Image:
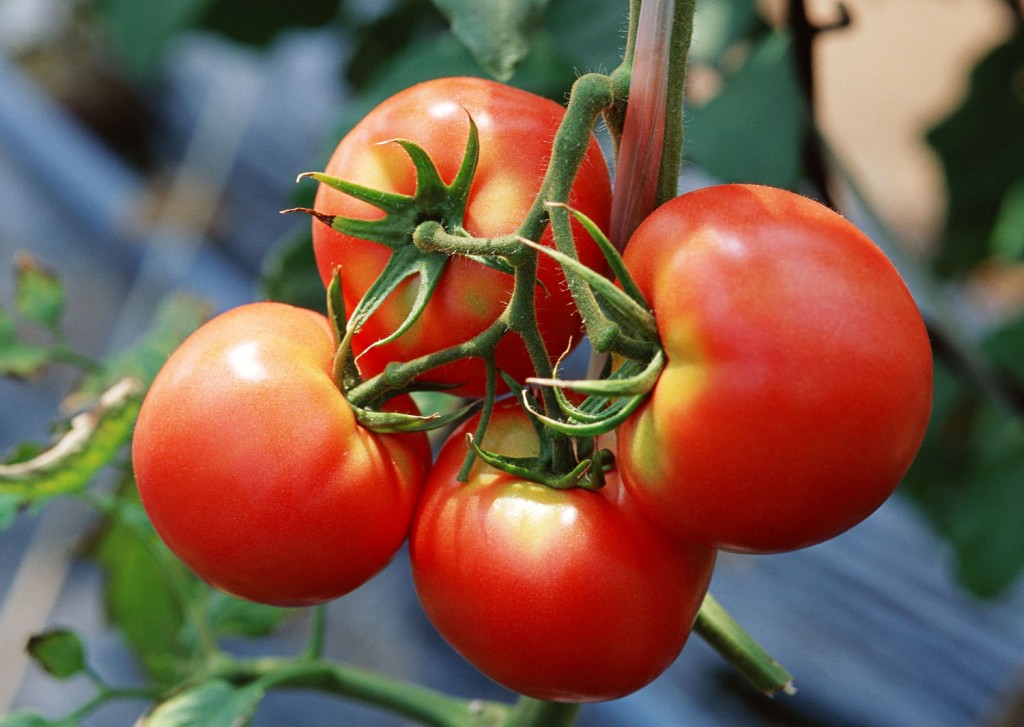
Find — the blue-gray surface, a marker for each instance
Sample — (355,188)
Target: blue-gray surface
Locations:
(871,624)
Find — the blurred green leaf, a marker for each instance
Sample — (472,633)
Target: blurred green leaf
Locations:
(214,703)
(986,533)
(231,616)
(981,148)
(141,593)
(59,652)
(140,29)
(259,21)
(39,294)
(9,506)
(1008,229)
(967,477)
(90,443)
(26,718)
(751,130)
(589,36)
(718,25)
(498,33)
(290,275)
(386,36)
(18,359)
(1005,349)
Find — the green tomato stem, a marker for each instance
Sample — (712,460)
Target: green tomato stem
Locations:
(749,658)
(536,713)
(400,374)
(317,629)
(431,236)
(424,705)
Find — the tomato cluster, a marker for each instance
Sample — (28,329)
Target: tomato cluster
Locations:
(795,392)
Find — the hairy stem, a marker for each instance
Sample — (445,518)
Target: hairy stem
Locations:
(672,148)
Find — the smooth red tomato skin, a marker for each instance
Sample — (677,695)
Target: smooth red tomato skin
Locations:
(516,130)
(565,595)
(799,377)
(254,471)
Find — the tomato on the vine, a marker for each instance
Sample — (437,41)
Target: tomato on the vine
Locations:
(516,129)
(254,471)
(798,383)
(565,595)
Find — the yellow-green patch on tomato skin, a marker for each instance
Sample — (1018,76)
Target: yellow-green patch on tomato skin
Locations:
(254,471)
(567,595)
(815,388)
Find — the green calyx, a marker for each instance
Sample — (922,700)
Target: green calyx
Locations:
(618,320)
(432,201)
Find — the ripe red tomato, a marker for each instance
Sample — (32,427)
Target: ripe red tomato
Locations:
(254,471)
(516,130)
(798,384)
(566,595)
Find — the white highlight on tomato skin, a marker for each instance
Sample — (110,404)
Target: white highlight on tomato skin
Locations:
(245,361)
(443,109)
(533,523)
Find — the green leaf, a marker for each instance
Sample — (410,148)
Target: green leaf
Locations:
(986,534)
(1008,229)
(39,294)
(290,275)
(10,503)
(92,440)
(59,652)
(498,33)
(966,478)
(258,22)
(28,718)
(719,25)
(588,35)
(140,596)
(139,30)
(981,149)
(214,703)
(753,129)
(21,360)
(234,617)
